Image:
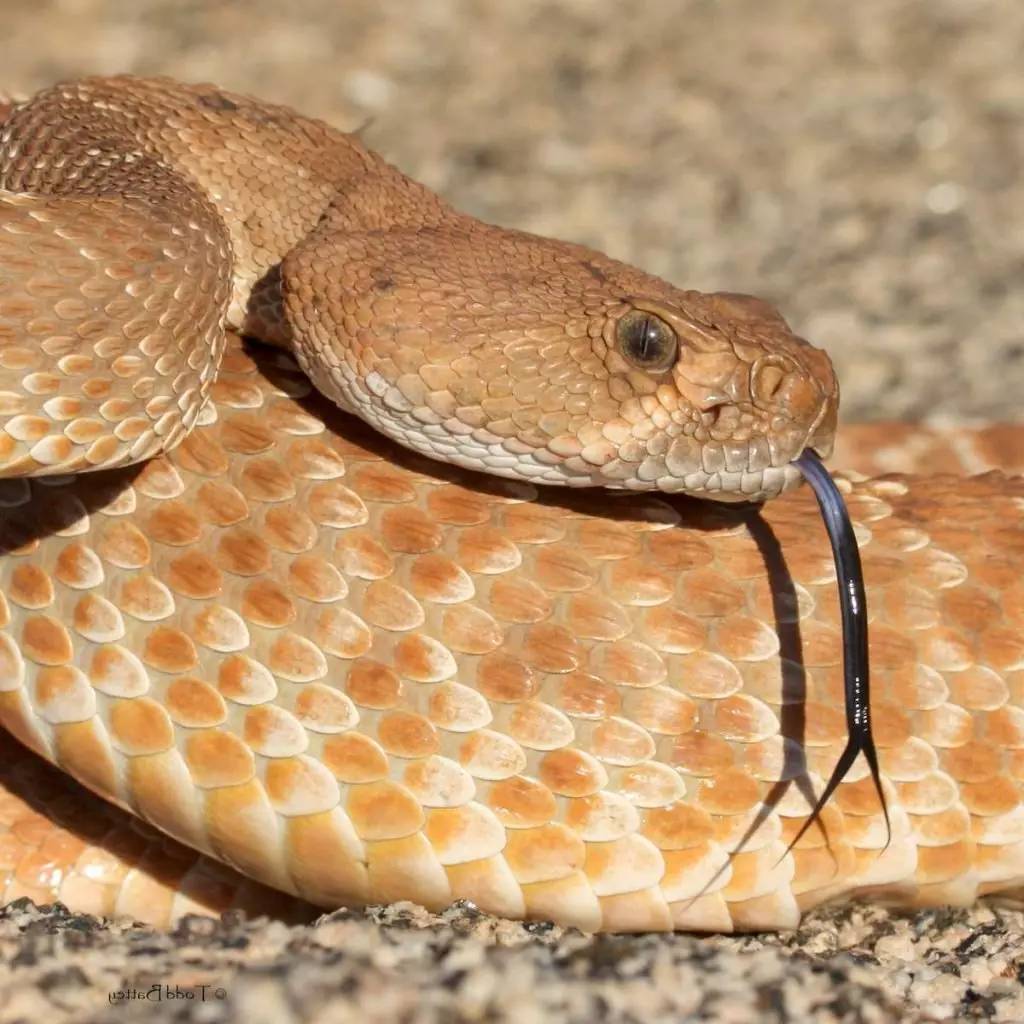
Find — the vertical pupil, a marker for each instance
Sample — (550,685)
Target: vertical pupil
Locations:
(647,340)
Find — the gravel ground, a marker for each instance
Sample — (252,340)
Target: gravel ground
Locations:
(859,164)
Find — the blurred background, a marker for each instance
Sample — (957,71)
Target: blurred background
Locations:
(859,164)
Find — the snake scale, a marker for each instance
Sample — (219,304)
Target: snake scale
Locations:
(339,617)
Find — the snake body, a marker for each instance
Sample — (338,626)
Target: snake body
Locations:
(325,650)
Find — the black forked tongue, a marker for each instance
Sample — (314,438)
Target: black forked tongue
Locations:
(853,606)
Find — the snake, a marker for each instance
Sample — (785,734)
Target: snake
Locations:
(354,551)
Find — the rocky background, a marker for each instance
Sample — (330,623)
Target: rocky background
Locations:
(860,164)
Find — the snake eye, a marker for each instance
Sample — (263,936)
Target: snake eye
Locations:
(647,342)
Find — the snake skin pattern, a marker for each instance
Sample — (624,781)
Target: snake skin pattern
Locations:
(351,674)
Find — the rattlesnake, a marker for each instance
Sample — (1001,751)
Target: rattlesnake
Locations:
(354,673)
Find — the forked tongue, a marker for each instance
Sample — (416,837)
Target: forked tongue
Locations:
(854,612)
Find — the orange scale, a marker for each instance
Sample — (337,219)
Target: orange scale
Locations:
(544,854)
(935,569)
(678,826)
(169,650)
(266,480)
(505,679)
(458,506)
(463,834)
(246,434)
(1005,727)
(529,523)
(978,689)
(732,791)
(244,680)
(992,796)
(322,709)
(909,761)
(192,703)
(890,724)
(379,481)
(563,568)
(294,658)
(539,726)
(917,687)
(709,593)
(300,785)
(678,551)
(63,694)
(311,459)
(697,753)
(457,708)
(45,641)
(217,758)
(571,773)
(389,606)
(945,726)
(514,598)
(202,455)
(220,504)
(313,578)
(910,607)
(174,523)
(628,663)
(123,545)
(242,552)
(193,575)
(438,578)
(115,671)
(357,554)
(491,755)
(822,866)
(271,731)
(30,587)
(159,480)
(623,865)
(633,582)
(706,675)
(371,684)
(140,726)
(520,802)
(334,505)
(604,539)
(1001,647)
(485,550)
(974,762)
(143,597)
(945,650)
(341,633)
(934,793)
(742,638)
(354,759)
(552,648)
(409,530)
(383,810)
(218,628)
(743,719)
(423,659)
(265,603)
(738,559)
(407,735)
(618,741)
(287,528)
(942,827)
(584,695)
(470,630)
(596,617)
(601,817)
(438,782)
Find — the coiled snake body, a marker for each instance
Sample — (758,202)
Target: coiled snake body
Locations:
(354,673)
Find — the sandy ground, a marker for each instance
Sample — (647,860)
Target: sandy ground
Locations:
(857,163)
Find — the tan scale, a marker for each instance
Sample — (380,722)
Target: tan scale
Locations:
(354,674)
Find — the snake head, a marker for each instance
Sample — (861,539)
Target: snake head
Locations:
(548,362)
